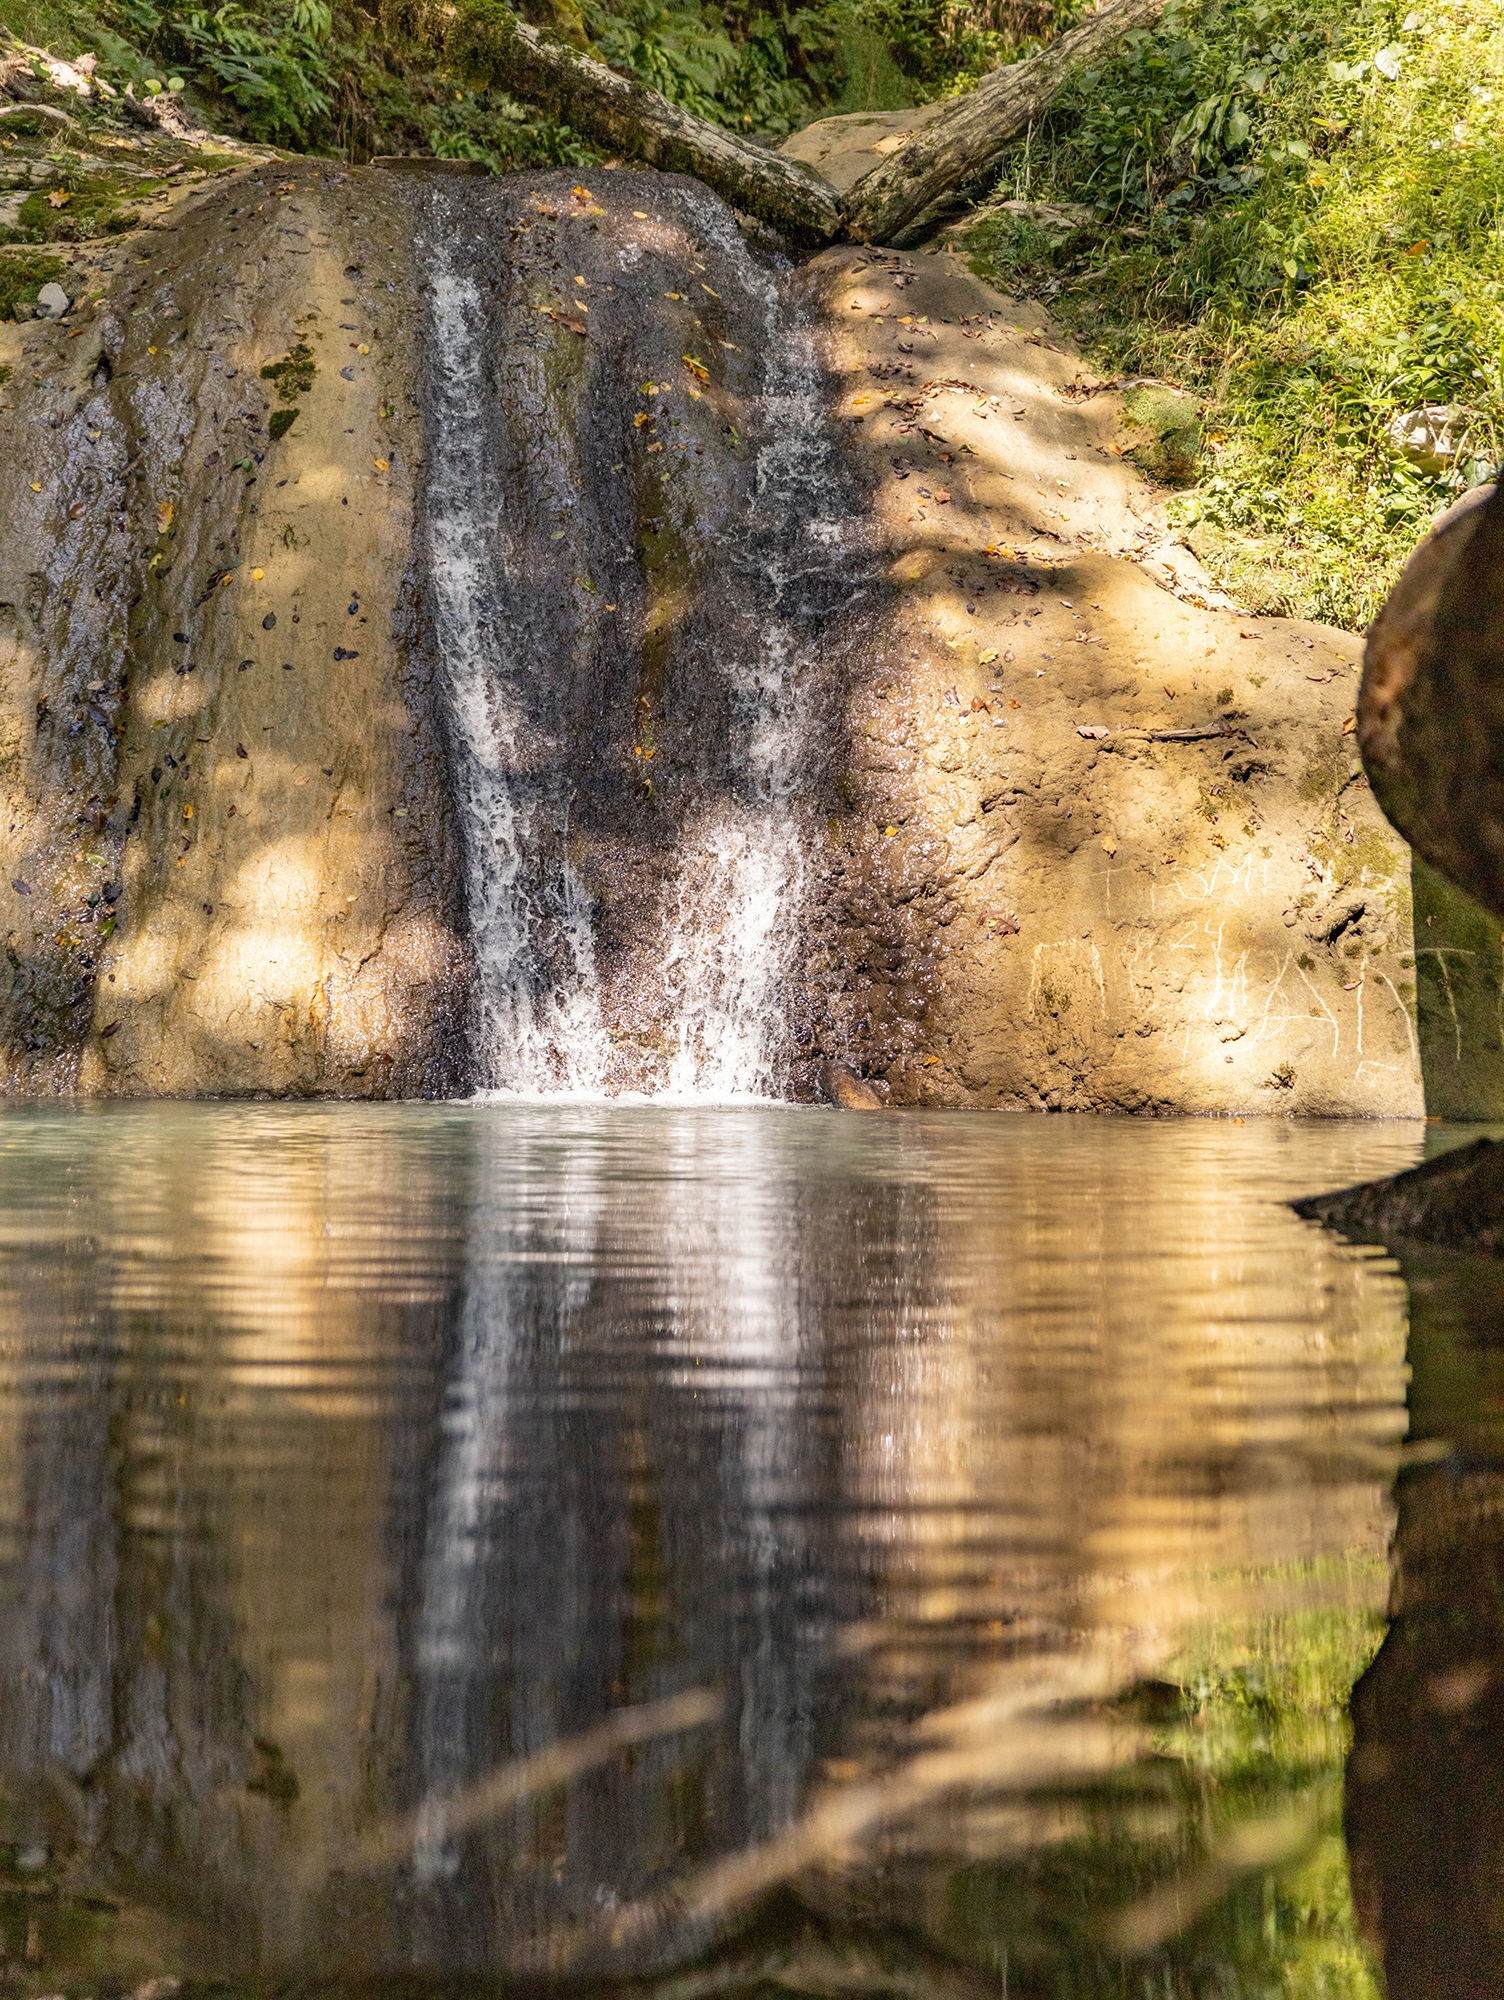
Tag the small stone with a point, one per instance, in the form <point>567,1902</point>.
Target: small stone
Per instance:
<point>52,301</point>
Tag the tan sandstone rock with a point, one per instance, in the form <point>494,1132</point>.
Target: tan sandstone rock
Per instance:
<point>1106,847</point>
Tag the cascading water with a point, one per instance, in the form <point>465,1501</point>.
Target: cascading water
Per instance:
<point>637,536</point>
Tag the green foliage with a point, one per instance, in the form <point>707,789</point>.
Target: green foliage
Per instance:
<point>1296,218</point>
<point>22,275</point>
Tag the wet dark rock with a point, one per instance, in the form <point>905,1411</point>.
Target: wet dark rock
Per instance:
<point>851,1092</point>
<point>1455,1200</point>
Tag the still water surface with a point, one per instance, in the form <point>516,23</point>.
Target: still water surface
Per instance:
<point>725,1551</point>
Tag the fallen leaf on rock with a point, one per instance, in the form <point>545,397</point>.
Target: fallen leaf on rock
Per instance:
<point>987,656</point>
<point>59,198</point>
<point>696,367</point>
<point>1350,725</point>
<point>889,831</point>
<point>36,485</point>
<point>257,574</point>
<point>1109,844</point>
<point>641,214</point>
<point>929,1060</point>
<point>673,295</point>
<point>942,498</point>
<point>380,464</point>
<point>364,348</point>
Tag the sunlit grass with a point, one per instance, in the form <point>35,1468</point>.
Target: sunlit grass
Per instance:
<point>1321,256</point>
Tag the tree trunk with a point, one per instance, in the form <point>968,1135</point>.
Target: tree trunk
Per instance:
<point>898,200</point>
<point>628,118</point>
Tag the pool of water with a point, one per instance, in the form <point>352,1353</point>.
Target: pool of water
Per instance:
<point>710,1551</point>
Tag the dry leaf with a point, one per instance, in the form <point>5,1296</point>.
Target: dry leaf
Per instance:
<point>258,574</point>
<point>1109,843</point>
<point>1350,725</point>
<point>380,464</point>
<point>36,485</point>
<point>165,512</point>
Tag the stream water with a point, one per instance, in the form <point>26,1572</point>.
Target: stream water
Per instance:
<point>730,1550</point>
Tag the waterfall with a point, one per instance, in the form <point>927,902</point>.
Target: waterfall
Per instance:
<point>637,535</point>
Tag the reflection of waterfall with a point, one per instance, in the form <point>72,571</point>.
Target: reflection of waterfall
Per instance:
<point>545,1597</point>
<point>642,576</point>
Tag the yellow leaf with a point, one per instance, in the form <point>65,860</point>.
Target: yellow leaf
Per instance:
<point>889,831</point>
<point>36,485</point>
<point>988,657</point>
<point>59,198</point>
<point>639,420</point>
<point>380,464</point>
<point>673,295</point>
<point>165,512</point>
<point>1350,725</point>
<point>696,366</point>
<point>1109,844</point>
<point>641,214</point>
<point>364,347</point>
<point>257,574</point>
<point>709,288</point>
<point>187,812</point>
<point>930,1059</point>
<point>151,350</point>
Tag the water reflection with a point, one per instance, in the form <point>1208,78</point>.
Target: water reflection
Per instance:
<point>449,1542</point>
<point>1425,1793</point>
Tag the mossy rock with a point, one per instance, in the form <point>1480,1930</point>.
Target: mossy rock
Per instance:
<point>22,275</point>
<point>1170,449</point>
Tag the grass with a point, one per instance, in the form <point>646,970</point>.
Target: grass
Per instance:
<point>1295,218</point>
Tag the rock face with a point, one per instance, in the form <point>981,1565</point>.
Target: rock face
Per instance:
<point>1430,720</point>
<point>228,862</point>
<point>462,631</point>
<point>1104,847</point>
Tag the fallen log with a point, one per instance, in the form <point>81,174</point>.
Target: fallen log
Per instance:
<point>895,203</point>
<point>623,117</point>
<point>901,199</point>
